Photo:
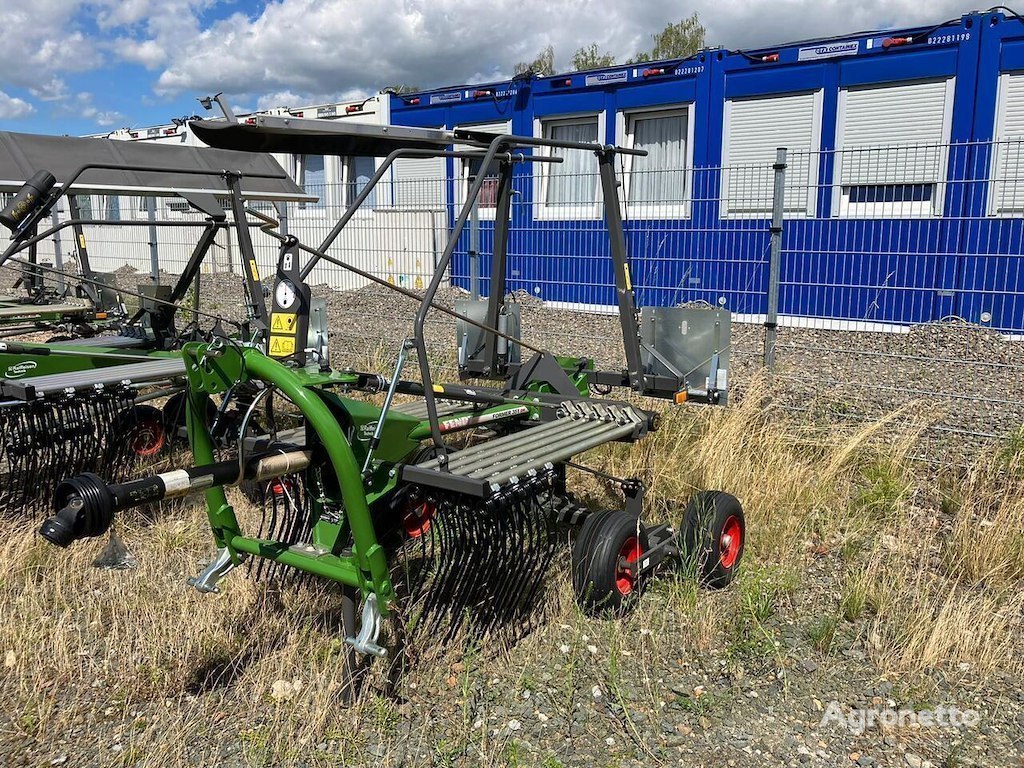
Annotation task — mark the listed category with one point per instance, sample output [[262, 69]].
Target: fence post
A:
[[282, 218], [474, 247], [58, 255], [775, 256], [154, 255]]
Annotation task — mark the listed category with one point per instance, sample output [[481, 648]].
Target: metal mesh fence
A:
[[899, 269]]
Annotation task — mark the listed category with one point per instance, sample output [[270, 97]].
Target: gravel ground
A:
[[968, 380]]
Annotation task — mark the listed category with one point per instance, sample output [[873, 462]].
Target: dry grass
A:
[[135, 660]]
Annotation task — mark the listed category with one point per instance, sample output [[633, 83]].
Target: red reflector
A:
[[654, 72], [169, 131], [478, 94], [353, 108], [299, 114], [250, 121], [561, 83], [889, 42], [770, 57], [415, 100]]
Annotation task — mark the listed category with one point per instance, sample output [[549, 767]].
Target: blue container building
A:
[[903, 203]]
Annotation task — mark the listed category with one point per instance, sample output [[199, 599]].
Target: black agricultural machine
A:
[[443, 503], [82, 401]]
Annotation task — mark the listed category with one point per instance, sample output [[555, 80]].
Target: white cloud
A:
[[43, 38], [54, 89], [11, 107], [278, 99], [119, 13], [289, 52], [148, 53], [85, 108], [315, 47], [108, 118]]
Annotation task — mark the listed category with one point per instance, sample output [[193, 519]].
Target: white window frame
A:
[[911, 209], [624, 127], [347, 169], [812, 181], [542, 210], [332, 188], [994, 186], [104, 204], [462, 167]]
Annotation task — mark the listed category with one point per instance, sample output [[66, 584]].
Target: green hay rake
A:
[[395, 501], [81, 403]]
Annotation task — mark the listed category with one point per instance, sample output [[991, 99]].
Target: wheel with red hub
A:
[[606, 562], [417, 517], [712, 537], [146, 435]]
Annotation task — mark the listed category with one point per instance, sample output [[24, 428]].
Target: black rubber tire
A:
[[595, 560], [174, 413], [714, 560]]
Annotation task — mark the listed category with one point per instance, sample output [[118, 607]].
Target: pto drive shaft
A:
[[86, 504]]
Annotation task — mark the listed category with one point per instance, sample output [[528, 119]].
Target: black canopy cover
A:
[[22, 154], [305, 136]]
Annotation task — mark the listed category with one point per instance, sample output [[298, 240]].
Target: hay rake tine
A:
[[460, 591], [450, 559]]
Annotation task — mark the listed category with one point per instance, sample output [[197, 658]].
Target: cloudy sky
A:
[[87, 67]]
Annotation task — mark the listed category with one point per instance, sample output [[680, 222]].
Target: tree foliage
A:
[[676, 41], [543, 65], [589, 57], [401, 88]]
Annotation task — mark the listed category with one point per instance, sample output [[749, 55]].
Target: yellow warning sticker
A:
[[282, 322], [81, 241], [282, 346], [629, 280], [254, 269]]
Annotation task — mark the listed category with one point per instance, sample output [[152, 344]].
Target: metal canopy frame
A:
[[26, 236], [198, 175], [302, 136]]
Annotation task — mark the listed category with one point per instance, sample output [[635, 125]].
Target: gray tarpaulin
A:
[[23, 154]]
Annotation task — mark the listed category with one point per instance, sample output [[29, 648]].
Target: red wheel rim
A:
[[625, 565], [148, 437], [731, 541], [417, 519], [282, 487]]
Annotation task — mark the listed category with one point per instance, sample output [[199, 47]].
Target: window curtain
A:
[[660, 177], [573, 182], [361, 170], [112, 208], [314, 179]]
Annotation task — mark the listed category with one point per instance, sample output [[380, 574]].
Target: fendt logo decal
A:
[[18, 370]]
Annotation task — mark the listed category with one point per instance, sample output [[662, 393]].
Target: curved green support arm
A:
[[370, 556], [367, 567]]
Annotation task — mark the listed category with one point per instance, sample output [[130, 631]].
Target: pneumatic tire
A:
[[605, 563], [713, 537]]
